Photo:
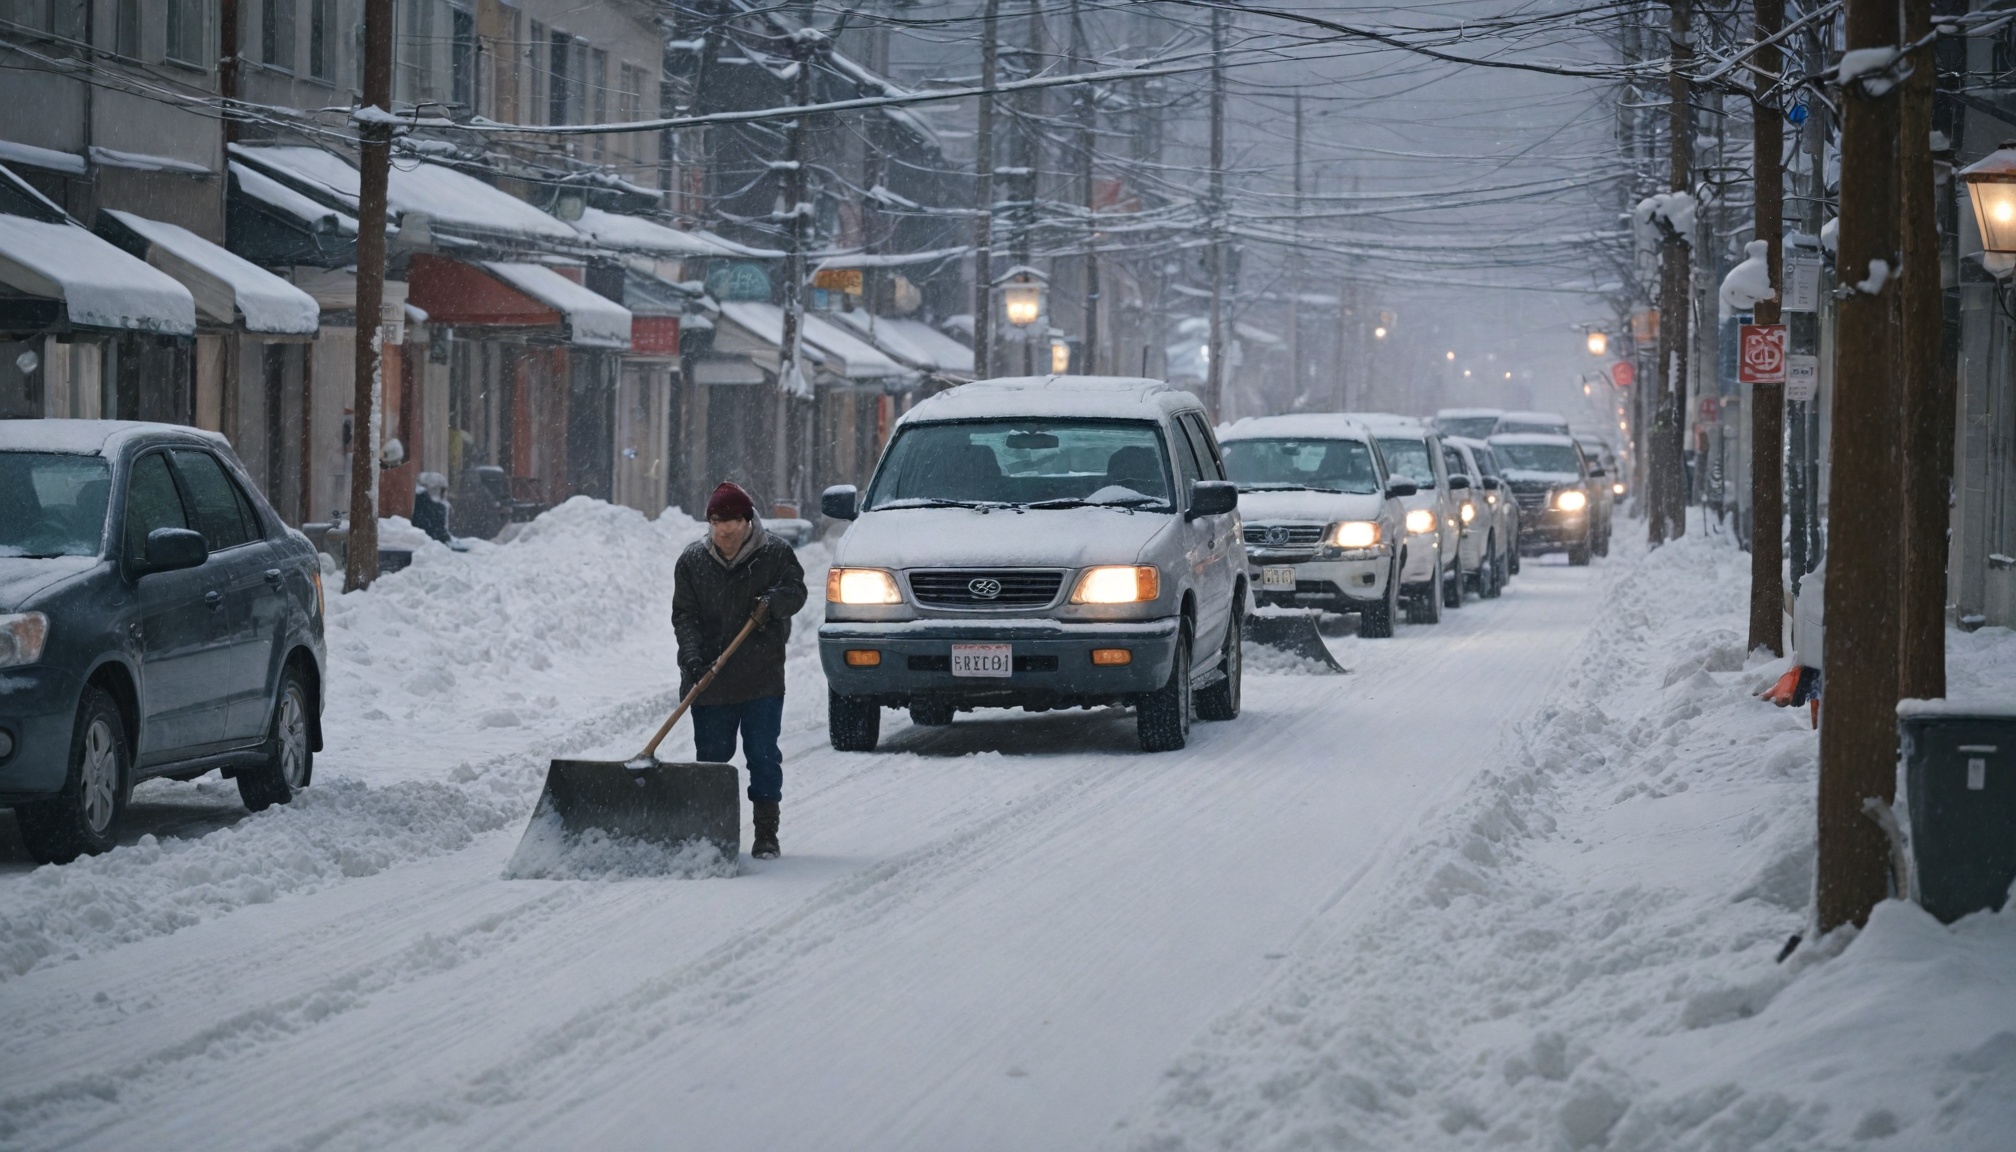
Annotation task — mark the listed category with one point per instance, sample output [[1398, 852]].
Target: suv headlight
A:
[[1571, 500], [1354, 534], [1118, 584], [21, 638], [1421, 520], [1469, 511], [861, 586]]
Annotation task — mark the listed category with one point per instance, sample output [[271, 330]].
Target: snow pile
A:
[[1266, 660], [1749, 281], [548, 853], [1674, 210], [1585, 954]]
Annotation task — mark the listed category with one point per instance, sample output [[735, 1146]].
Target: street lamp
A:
[[1060, 357], [1599, 343], [1379, 333], [1991, 184], [1449, 355], [1022, 300]]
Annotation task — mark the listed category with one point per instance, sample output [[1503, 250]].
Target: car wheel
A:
[[1512, 557], [1162, 717], [289, 761], [1491, 578], [1603, 543], [1375, 621], [852, 724], [1425, 605], [1452, 587], [931, 713], [83, 819], [1578, 554], [1221, 700]]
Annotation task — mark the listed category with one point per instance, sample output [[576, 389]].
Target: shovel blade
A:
[[668, 804], [1293, 633]]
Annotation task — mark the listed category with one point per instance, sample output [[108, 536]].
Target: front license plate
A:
[[1281, 577], [983, 659]]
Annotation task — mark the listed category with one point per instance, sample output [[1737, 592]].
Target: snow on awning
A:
[[592, 319], [99, 285], [841, 353], [146, 162], [226, 287], [288, 202], [635, 234], [453, 201], [48, 159], [911, 342]]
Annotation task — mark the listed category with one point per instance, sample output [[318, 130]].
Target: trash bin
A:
[[1960, 778]]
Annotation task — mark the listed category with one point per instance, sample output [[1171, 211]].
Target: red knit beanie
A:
[[730, 502]]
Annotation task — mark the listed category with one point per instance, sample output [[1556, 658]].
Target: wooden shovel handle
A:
[[755, 621]]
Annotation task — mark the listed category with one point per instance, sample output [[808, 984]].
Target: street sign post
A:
[[1762, 359]]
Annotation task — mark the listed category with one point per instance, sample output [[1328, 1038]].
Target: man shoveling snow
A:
[[715, 586]]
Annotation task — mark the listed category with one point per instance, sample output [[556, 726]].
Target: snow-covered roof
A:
[[636, 234], [100, 286], [87, 437], [2001, 709], [49, 159], [449, 198], [283, 199], [1533, 438], [1305, 425], [1467, 413], [592, 319], [1096, 397], [912, 342], [226, 286], [842, 353]]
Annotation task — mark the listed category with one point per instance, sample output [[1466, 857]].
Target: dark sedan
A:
[[156, 619]]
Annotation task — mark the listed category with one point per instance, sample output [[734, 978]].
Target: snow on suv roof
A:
[[85, 437], [1388, 422], [1534, 418], [1109, 397], [1554, 438], [1307, 425], [1462, 413]]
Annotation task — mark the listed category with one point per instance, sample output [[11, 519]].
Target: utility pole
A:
[[374, 161], [1668, 518], [1295, 272], [791, 381], [1214, 385], [1858, 718], [1767, 401], [983, 194], [1928, 401], [1088, 113]]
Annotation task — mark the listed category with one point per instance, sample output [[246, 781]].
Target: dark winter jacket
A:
[[712, 598]]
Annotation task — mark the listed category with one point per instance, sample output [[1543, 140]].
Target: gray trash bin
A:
[[1960, 778]]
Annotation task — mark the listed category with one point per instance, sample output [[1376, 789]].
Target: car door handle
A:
[[214, 598], [273, 577]]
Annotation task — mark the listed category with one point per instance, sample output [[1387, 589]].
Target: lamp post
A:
[[1599, 343], [1022, 301], [1991, 185]]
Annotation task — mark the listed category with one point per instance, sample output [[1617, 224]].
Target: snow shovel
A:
[[1292, 631], [668, 804]]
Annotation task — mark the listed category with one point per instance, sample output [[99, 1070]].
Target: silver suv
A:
[[1431, 578], [1045, 542]]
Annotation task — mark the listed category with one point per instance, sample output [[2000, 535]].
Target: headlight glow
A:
[[861, 586], [1617, 489], [1469, 512], [1571, 501], [21, 637], [1420, 520], [1354, 534], [1118, 584]]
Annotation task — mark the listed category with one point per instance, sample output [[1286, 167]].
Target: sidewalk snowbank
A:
[[1585, 955]]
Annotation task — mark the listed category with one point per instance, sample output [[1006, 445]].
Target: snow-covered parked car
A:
[[1512, 423], [1497, 498], [1482, 547], [1324, 523], [1042, 543], [1429, 578], [156, 619], [1473, 423], [1550, 479]]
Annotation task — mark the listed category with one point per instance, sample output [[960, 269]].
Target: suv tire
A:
[[1425, 605], [852, 723], [1452, 586], [1578, 554], [1491, 577], [83, 819], [1162, 717], [931, 713], [1375, 621], [289, 760], [1221, 700]]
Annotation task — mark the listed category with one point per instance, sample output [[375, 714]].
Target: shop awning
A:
[[911, 342], [92, 282], [227, 289], [531, 297], [832, 348], [592, 319], [269, 223], [635, 234], [454, 203]]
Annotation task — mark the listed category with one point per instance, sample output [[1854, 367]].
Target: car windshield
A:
[[1550, 427], [1037, 463], [52, 504], [1323, 465], [1473, 427], [1408, 457], [1539, 457]]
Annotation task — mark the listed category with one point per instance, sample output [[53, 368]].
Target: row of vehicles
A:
[[1076, 542]]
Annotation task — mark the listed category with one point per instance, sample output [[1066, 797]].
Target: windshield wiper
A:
[[929, 502]]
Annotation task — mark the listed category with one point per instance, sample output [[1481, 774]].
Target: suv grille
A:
[[1283, 535], [1531, 497], [964, 587]]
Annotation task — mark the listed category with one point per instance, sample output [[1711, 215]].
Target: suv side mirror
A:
[[1212, 498], [838, 502], [1491, 483], [1597, 473], [171, 549], [1398, 487], [1458, 481]]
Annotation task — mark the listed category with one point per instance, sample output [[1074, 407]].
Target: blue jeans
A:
[[760, 720]]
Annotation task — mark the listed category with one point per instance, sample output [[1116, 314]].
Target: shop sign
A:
[[739, 281]]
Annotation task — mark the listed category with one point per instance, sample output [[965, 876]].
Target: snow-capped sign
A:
[[1762, 359], [1802, 377], [1802, 284]]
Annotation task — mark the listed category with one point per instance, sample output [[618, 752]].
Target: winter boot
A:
[[764, 844]]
